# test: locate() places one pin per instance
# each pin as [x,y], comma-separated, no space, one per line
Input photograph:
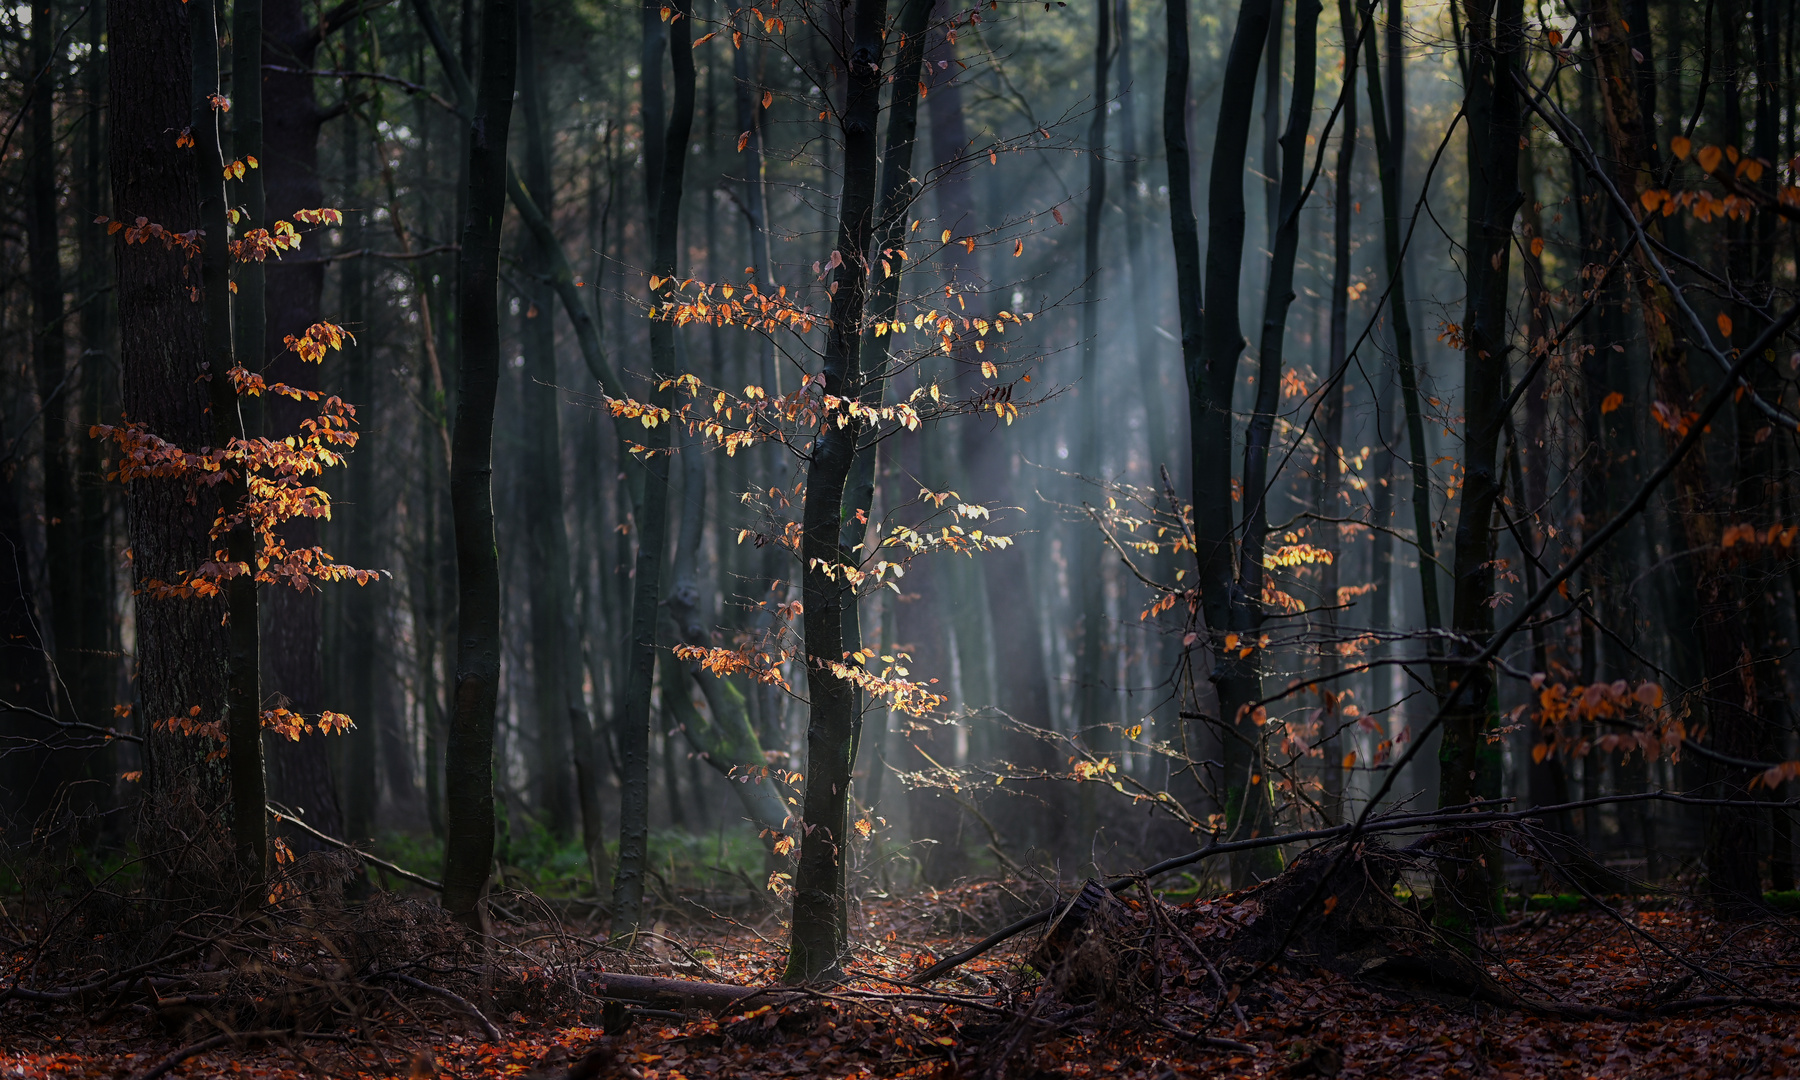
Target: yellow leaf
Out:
[703,40]
[988,370]
[946,238]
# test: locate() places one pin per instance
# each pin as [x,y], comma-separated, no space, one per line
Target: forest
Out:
[899,538]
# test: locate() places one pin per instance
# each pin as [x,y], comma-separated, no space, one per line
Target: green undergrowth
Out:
[536,860]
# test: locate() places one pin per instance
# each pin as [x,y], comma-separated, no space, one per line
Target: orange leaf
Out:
[1612,402]
[1018,248]
[768,98]
[1652,199]
[1682,146]
[1350,760]
[1724,321]
[743,141]
[1710,157]
[1537,247]
[1056,212]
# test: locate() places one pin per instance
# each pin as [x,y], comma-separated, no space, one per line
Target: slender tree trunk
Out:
[359,638]
[1469,759]
[1231,612]
[49,347]
[552,628]
[1331,408]
[469,764]
[1278,298]
[1388,157]
[243,692]
[1271,159]
[664,180]
[96,684]
[1093,672]
[288,125]
[821,917]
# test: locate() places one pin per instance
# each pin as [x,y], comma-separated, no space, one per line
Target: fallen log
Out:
[718,998]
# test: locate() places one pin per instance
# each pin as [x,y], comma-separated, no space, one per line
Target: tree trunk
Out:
[49,347]
[181,643]
[1278,298]
[664,183]
[1469,758]
[1731,857]
[469,761]
[547,563]
[243,687]
[1092,674]
[1331,407]
[293,619]
[1388,158]
[820,927]
[1231,612]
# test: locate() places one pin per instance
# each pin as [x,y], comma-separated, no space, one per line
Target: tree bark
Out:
[49,347]
[547,564]
[1231,611]
[1468,757]
[293,619]
[1093,675]
[243,687]
[181,643]
[664,181]
[469,764]
[1388,158]
[1278,298]
[820,921]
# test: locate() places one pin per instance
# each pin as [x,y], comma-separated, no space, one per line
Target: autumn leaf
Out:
[1681,146]
[1724,322]
[1056,212]
[704,39]
[1612,402]
[1709,157]
[768,98]
[1018,248]
[1537,247]
[743,141]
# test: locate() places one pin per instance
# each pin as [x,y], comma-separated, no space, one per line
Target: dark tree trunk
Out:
[547,538]
[181,643]
[1468,759]
[1231,612]
[1279,297]
[663,178]
[469,763]
[1093,672]
[243,675]
[293,622]
[1388,156]
[49,347]
[820,927]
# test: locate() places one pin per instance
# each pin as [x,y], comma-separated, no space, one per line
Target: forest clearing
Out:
[891,538]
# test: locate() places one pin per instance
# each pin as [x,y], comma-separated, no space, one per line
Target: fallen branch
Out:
[164,1064]
[288,817]
[487,1026]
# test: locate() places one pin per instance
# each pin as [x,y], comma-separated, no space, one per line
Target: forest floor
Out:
[1668,993]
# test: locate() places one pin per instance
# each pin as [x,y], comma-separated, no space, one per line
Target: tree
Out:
[469,757]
